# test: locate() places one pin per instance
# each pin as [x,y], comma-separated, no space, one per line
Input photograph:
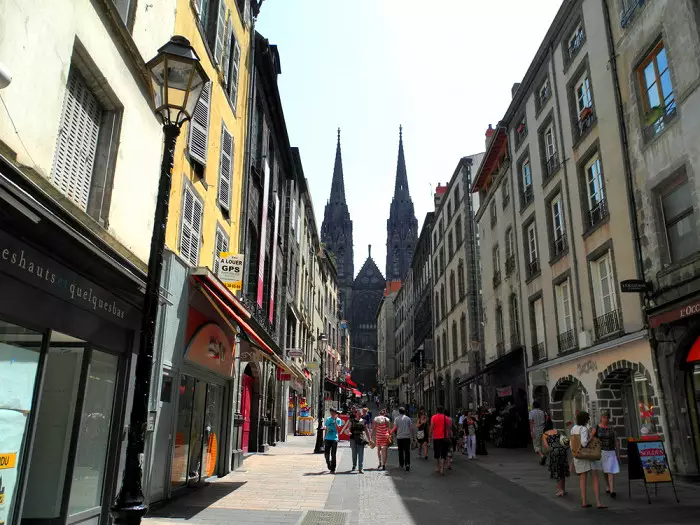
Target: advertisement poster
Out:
[231,270]
[654,461]
[18,368]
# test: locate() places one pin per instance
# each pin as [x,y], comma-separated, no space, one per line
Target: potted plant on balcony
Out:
[521,128]
[654,115]
[585,113]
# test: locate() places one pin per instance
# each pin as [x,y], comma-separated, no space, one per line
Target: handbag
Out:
[420,435]
[590,452]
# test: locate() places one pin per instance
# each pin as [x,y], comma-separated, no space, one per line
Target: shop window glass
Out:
[93,440]
[574,402]
[197,433]
[212,429]
[182,432]
[637,401]
[19,360]
[48,470]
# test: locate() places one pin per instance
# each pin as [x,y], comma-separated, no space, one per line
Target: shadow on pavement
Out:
[189,504]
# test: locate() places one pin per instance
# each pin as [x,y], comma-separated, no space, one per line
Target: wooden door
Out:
[246,396]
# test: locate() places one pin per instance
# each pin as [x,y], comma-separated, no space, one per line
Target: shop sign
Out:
[231,270]
[312,365]
[34,268]
[682,312]
[504,391]
[210,348]
[635,286]
[648,461]
[282,375]
[250,355]
[295,352]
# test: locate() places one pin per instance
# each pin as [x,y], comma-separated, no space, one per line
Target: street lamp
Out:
[318,449]
[177,80]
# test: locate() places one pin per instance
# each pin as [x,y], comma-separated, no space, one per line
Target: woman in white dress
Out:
[584,466]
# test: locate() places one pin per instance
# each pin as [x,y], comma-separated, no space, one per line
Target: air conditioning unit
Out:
[585,339]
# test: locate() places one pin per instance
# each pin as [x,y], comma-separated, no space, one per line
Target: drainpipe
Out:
[574,257]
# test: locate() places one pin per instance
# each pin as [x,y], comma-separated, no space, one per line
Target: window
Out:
[520,131]
[597,208]
[607,319]
[526,182]
[458,229]
[437,353]
[494,213]
[679,222]
[558,225]
[583,94]
[460,279]
[125,8]
[576,41]
[455,342]
[514,322]
[190,226]
[505,192]
[451,244]
[543,93]
[657,91]
[565,318]
[531,250]
[453,289]
[500,344]
[538,343]
[443,300]
[496,266]
[463,332]
[76,146]
[449,210]
[197,140]
[232,62]
[225,169]
[510,254]
[456,196]
[445,350]
[220,245]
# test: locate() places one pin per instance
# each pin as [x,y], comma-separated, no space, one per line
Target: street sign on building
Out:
[231,270]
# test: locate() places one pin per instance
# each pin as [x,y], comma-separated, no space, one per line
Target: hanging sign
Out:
[282,375]
[295,352]
[635,286]
[504,391]
[231,270]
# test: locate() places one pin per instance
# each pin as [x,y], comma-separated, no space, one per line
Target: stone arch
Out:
[252,370]
[563,409]
[613,390]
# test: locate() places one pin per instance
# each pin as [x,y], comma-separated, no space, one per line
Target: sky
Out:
[443,69]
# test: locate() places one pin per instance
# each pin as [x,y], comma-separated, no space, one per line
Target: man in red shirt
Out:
[440,430]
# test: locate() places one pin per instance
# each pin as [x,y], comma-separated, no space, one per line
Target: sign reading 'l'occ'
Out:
[681,312]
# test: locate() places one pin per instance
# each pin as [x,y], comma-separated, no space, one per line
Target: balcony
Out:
[510,264]
[520,133]
[543,96]
[575,46]
[538,352]
[500,349]
[559,245]
[597,214]
[533,268]
[527,196]
[496,278]
[260,316]
[567,341]
[608,324]
[586,119]
[657,120]
[552,166]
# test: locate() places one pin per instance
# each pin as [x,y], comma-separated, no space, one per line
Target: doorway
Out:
[246,396]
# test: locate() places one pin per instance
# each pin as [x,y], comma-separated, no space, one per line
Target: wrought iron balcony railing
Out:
[608,324]
[538,352]
[567,341]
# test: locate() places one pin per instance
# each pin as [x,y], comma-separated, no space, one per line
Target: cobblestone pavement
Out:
[290,485]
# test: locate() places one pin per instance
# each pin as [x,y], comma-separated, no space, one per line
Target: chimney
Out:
[489,133]
[514,89]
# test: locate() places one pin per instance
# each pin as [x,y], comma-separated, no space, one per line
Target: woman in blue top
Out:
[333,425]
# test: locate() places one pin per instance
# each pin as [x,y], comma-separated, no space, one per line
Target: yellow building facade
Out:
[206,195]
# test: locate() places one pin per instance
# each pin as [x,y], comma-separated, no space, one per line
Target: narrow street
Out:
[289,485]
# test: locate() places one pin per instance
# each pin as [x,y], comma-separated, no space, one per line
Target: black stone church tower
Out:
[402,226]
[336,234]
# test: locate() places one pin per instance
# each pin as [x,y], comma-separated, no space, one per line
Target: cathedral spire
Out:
[401,185]
[338,184]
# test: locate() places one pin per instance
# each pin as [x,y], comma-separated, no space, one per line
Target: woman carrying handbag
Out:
[585,448]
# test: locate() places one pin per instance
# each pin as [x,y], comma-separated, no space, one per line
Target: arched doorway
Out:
[541,395]
[250,407]
[569,397]
[626,390]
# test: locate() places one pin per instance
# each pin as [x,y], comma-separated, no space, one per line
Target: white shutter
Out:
[246,13]
[199,127]
[190,227]
[235,67]
[220,245]
[77,141]
[220,33]
[227,48]
[225,169]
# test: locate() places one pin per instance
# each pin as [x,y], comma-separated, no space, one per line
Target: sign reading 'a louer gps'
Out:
[231,270]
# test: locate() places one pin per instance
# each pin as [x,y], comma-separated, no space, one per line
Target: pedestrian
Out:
[403,427]
[584,466]
[537,420]
[609,452]
[470,427]
[367,416]
[382,437]
[422,433]
[359,438]
[452,439]
[333,425]
[395,413]
[557,447]
[439,433]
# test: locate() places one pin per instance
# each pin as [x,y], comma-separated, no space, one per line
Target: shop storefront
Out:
[66,344]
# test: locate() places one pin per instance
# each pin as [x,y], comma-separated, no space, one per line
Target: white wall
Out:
[37,39]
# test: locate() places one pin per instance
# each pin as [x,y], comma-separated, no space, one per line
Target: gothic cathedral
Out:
[361,295]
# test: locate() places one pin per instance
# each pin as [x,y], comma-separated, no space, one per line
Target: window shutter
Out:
[191,227]
[220,245]
[228,51]
[77,141]
[199,127]
[225,169]
[235,66]
[220,33]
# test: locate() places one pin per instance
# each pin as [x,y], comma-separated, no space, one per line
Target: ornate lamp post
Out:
[177,80]
[318,449]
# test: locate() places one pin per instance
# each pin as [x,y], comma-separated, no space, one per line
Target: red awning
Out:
[239,320]
[694,354]
[307,374]
[357,392]
[349,381]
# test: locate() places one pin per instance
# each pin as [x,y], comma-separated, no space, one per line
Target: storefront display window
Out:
[197,432]
[637,403]
[93,441]
[212,429]
[573,402]
[182,432]
[20,349]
